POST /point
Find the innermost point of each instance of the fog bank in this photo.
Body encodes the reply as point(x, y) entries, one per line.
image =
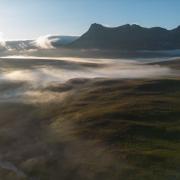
point(34, 75)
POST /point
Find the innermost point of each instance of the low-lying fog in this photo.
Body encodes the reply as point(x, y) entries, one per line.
point(29, 77)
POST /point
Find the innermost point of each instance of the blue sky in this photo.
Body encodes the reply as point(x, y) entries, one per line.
point(27, 19)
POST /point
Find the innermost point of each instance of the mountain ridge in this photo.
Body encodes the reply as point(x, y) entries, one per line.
point(128, 37)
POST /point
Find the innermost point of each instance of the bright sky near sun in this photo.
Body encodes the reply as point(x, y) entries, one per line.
point(27, 19)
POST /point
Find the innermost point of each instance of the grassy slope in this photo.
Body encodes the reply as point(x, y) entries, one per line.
point(138, 119)
point(105, 129)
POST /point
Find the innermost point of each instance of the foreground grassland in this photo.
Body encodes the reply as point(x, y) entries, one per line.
point(104, 129)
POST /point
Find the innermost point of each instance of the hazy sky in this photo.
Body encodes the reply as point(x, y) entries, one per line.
point(27, 19)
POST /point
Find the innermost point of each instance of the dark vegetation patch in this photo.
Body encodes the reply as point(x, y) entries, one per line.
point(161, 86)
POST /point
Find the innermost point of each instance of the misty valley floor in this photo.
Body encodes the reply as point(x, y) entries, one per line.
point(89, 128)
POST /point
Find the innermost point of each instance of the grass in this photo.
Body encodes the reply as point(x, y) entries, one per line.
point(104, 129)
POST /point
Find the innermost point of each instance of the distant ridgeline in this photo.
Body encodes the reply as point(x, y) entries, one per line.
point(128, 37)
point(125, 38)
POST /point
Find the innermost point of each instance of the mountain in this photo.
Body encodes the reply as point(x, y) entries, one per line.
point(126, 38)
point(129, 37)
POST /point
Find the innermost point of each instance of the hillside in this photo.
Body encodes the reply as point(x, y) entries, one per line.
point(104, 129)
point(129, 37)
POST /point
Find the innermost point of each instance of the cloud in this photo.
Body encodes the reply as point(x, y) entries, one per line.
point(2, 41)
point(44, 42)
point(31, 79)
point(67, 69)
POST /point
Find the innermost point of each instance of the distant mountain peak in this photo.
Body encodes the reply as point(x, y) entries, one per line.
point(178, 28)
point(129, 37)
point(136, 26)
point(96, 27)
point(99, 27)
